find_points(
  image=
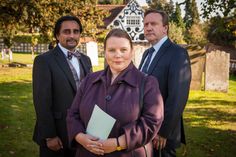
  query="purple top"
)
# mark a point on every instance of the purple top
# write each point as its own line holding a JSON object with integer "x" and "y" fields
{"x": 121, "y": 101}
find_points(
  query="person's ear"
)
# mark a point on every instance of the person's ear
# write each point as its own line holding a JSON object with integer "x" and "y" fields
{"x": 165, "y": 29}
{"x": 132, "y": 52}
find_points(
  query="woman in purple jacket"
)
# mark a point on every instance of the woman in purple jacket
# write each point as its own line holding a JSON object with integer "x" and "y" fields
{"x": 116, "y": 91}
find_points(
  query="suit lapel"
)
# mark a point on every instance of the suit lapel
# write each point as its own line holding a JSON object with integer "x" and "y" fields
{"x": 62, "y": 62}
{"x": 161, "y": 51}
{"x": 84, "y": 65}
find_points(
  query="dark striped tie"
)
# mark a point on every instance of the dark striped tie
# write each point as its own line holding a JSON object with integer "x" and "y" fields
{"x": 148, "y": 60}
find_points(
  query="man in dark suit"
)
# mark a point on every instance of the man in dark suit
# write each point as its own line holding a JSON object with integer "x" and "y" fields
{"x": 170, "y": 64}
{"x": 56, "y": 77}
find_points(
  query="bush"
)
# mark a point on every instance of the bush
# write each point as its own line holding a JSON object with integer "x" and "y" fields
{"x": 176, "y": 33}
{"x": 28, "y": 39}
{"x": 196, "y": 35}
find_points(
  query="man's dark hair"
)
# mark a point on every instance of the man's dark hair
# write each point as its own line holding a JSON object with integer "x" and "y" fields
{"x": 66, "y": 18}
{"x": 165, "y": 18}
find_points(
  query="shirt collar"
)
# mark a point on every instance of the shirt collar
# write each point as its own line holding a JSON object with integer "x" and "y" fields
{"x": 160, "y": 43}
{"x": 64, "y": 50}
{"x": 126, "y": 76}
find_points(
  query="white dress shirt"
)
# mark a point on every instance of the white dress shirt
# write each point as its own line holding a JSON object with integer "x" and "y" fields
{"x": 157, "y": 46}
{"x": 74, "y": 61}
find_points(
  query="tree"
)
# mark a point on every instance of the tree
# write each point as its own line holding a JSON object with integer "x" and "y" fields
{"x": 10, "y": 24}
{"x": 195, "y": 14}
{"x": 177, "y": 18}
{"x": 168, "y": 7}
{"x": 219, "y": 7}
{"x": 222, "y": 31}
{"x": 111, "y": 1}
{"x": 188, "y": 12}
{"x": 191, "y": 13}
{"x": 40, "y": 16}
{"x": 176, "y": 33}
{"x": 196, "y": 34}
{"x": 222, "y": 27}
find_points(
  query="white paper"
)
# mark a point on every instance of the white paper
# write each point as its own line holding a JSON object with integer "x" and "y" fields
{"x": 100, "y": 124}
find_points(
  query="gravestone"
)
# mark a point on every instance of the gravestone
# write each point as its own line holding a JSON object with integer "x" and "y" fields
{"x": 138, "y": 53}
{"x": 3, "y": 53}
{"x": 197, "y": 59}
{"x": 92, "y": 52}
{"x": 139, "y": 49}
{"x": 217, "y": 71}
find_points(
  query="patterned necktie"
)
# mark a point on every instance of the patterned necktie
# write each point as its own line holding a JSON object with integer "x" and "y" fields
{"x": 71, "y": 54}
{"x": 75, "y": 75}
{"x": 148, "y": 60}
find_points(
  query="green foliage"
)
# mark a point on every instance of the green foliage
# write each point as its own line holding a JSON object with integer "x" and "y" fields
{"x": 219, "y": 7}
{"x": 176, "y": 33}
{"x": 222, "y": 31}
{"x": 195, "y": 14}
{"x": 28, "y": 37}
{"x": 110, "y": 1}
{"x": 168, "y": 7}
{"x": 222, "y": 27}
{"x": 191, "y": 13}
{"x": 9, "y": 25}
{"x": 177, "y": 18}
{"x": 40, "y": 16}
{"x": 196, "y": 35}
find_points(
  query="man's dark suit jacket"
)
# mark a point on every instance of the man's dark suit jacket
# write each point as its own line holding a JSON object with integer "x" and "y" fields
{"x": 171, "y": 66}
{"x": 53, "y": 91}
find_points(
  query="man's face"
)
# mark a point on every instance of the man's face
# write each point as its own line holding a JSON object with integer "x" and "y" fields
{"x": 154, "y": 30}
{"x": 69, "y": 35}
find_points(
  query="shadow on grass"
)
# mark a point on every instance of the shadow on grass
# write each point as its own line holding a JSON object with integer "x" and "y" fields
{"x": 232, "y": 77}
{"x": 208, "y": 142}
{"x": 211, "y": 114}
{"x": 17, "y": 119}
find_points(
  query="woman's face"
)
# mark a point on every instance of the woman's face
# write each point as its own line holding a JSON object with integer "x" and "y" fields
{"x": 118, "y": 54}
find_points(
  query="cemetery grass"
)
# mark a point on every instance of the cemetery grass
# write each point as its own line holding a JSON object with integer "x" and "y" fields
{"x": 210, "y": 123}
{"x": 26, "y": 59}
{"x": 210, "y": 119}
{"x": 23, "y": 58}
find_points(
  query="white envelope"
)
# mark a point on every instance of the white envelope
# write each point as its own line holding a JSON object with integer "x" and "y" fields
{"x": 100, "y": 123}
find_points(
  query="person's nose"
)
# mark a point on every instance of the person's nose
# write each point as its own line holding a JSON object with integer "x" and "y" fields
{"x": 118, "y": 54}
{"x": 72, "y": 35}
{"x": 148, "y": 27}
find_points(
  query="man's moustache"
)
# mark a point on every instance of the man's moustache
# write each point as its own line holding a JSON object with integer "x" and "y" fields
{"x": 69, "y": 40}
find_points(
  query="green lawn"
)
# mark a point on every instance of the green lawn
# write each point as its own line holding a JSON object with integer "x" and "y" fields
{"x": 210, "y": 118}
{"x": 19, "y": 58}
{"x": 210, "y": 123}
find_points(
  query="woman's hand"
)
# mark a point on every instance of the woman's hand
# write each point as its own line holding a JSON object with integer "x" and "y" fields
{"x": 90, "y": 143}
{"x": 109, "y": 145}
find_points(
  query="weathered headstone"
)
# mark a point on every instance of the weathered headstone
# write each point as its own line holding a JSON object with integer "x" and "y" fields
{"x": 138, "y": 53}
{"x": 10, "y": 55}
{"x": 92, "y": 52}
{"x": 139, "y": 49}
{"x": 3, "y": 53}
{"x": 217, "y": 71}
{"x": 197, "y": 59}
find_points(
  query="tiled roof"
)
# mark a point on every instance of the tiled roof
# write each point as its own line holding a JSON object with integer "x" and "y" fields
{"x": 114, "y": 11}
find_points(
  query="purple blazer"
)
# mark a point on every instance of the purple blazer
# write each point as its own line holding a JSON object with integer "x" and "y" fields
{"x": 121, "y": 101}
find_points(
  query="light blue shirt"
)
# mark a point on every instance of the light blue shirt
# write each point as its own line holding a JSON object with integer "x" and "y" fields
{"x": 157, "y": 46}
{"x": 74, "y": 61}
